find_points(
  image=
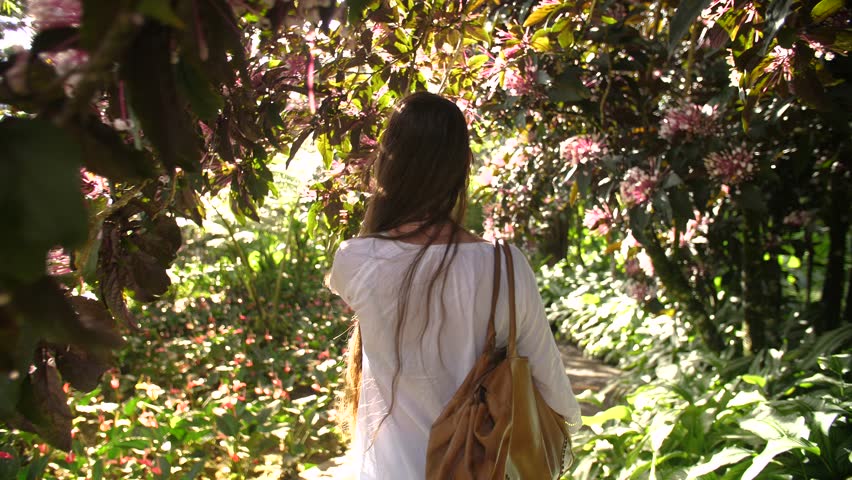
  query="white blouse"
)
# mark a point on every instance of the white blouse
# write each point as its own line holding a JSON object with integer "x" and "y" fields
{"x": 436, "y": 355}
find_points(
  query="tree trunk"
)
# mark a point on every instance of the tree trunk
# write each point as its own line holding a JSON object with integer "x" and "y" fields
{"x": 838, "y": 225}
{"x": 847, "y": 315}
{"x": 754, "y": 295}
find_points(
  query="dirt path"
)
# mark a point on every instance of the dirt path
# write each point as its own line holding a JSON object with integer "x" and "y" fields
{"x": 585, "y": 374}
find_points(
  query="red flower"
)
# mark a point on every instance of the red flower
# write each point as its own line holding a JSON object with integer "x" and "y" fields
{"x": 5, "y": 455}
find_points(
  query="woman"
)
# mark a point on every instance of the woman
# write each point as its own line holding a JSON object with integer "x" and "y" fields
{"x": 421, "y": 287}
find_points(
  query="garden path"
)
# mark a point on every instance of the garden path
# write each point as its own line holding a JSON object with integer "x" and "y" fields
{"x": 585, "y": 374}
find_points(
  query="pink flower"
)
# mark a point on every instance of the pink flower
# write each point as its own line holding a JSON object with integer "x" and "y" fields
{"x": 67, "y": 61}
{"x": 637, "y": 186}
{"x": 485, "y": 177}
{"x": 598, "y": 220}
{"x": 47, "y": 14}
{"x": 5, "y": 455}
{"x": 688, "y": 120}
{"x": 93, "y": 185}
{"x": 799, "y": 218}
{"x": 639, "y": 290}
{"x": 58, "y": 262}
{"x": 781, "y": 63}
{"x": 148, "y": 419}
{"x": 731, "y": 167}
{"x": 645, "y": 263}
{"x": 492, "y": 232}
{"x": 582, "y": 148}
{"x": 632, "y": 268}
{"x": 516, "y": 83}
{"x": 695, "y": 229}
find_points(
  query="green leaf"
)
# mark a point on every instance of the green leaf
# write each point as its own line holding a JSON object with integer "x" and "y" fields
{"x": 98, "y": 470}
{"x": 297, "y": 144}
{"x": 98, "y": 17}
{"x": 476, "y": 61}
{"x": 682, "y": 208}
{"x": 45, "y": 406}
{"x": 619, "y": 412}
{"x": 683, "y": 19}
{"x": 755, "y": 380}
{"x": 565, "y": 38}
{"x": 40, "y": 193}
{"x": 727, "y": 456}
{"x": 773, "y": 448}
{"x": 776, "y": 15}
{"x": 540, "y": 41}
{"x": 194, "y": 471}
{"x": 160, "y": 10}
{"x": 540, "y": 13}
{"x": 228, "y": 425}
{"x": 108, "y": 155}
{"x": 568, "y": 87}
{"x": 751, "y": 198}
{"x": 746, "y": 398}
{"x": 355, "y": 10}
{"x": 205, "y": 100}
{"x": 149, "y": 76}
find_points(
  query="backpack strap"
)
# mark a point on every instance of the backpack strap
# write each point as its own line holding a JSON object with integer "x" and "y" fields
{"x": 513, "y": 328}
{"x": 490, "y": 336}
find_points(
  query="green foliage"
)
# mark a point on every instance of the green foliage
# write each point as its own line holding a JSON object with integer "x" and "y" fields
{"x": 687, "y": 412}
{"x": 217, "y": 384}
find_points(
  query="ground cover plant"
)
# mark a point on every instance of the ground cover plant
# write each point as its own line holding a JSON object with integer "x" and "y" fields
{"x": 217, "y": 385}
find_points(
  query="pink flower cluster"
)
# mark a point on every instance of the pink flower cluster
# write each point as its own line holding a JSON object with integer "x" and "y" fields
{"x": 598, "y": 220}
{"x": 516, "y": 83}
{"x": 58, "y": 262}
{"x": 799, "y": 218}
{"x": 47, "y": 14}
{"x": 582, "y": 149}
{"x": 639, "y": 290}
{"x": 492, "y": 231}
{"x": 781, "y": 63}
{"x": 731, "y": 167}
{"x": 92, "y": 185}
{"x": 637, "y": 186}
{"x": 688, "y": 121}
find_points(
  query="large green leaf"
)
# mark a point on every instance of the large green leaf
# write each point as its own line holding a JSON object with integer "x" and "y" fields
{"x": 42, "y": 205}
{"x": 568, "y": 87}
{"x": 150, "y": 80}
{"x": 618, "y": 412}
{"x": 727, "y": 456}
{"x": 540, "y": 13}
{"x": 683, "y": 19}
{"x": 206, "y": 102}
{"x": 825, "y": 9}
{"x": 776, "y": 15}
{"x": 773, "y": 448}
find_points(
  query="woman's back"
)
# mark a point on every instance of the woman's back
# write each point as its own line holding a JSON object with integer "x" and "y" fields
{"x": 442, "y": 336}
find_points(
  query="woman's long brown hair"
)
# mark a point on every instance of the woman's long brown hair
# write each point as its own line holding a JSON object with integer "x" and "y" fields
{"x": 421, "y": 174}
